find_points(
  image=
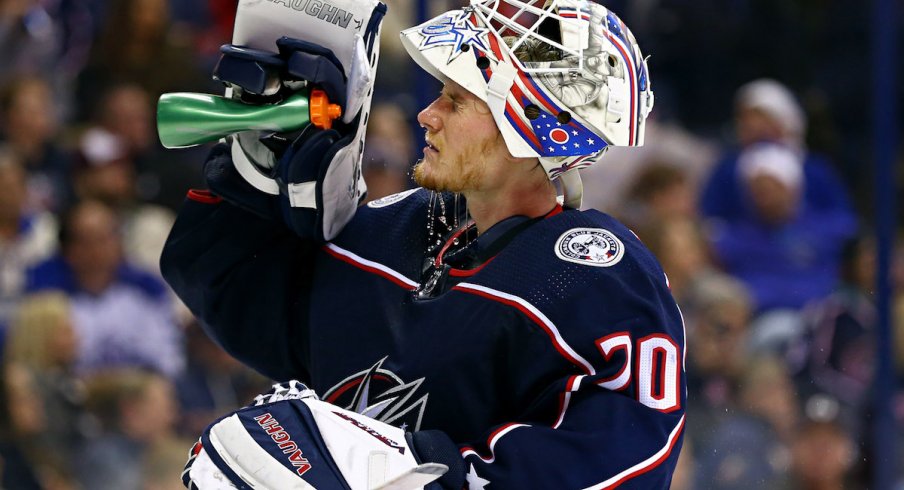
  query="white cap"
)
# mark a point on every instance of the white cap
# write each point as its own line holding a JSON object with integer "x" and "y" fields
{"x": 774, "y": 160}
{"x": 776, "y": 101}
{"x": 100, "y": 147}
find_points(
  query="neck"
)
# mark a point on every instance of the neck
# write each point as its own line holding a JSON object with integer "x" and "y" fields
{"x": 490, "y": 207}
{"x": 95, "y": 282}
{"x": 9, "y": 227}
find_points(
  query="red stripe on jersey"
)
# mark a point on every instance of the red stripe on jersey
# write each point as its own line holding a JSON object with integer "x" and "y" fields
{"x": 555, "y": 342}
{"x": 491, "y": 442}
{"x": 648, "y": 466}
{"x": 469, "y": 272}
{"x": 369, "y": 268}
{"x": 564, "y": 399}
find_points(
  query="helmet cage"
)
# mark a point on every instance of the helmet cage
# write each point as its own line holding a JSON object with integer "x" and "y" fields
{"x": 489, "y": 13}
{"x": 563, "y": 82}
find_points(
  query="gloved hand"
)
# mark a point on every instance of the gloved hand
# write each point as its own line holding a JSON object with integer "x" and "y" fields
{"x": 314, "y": 177}
{"x": 290, "y": 439}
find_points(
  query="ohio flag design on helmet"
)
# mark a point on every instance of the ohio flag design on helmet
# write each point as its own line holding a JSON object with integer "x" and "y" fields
{"x": 564, "y": 79}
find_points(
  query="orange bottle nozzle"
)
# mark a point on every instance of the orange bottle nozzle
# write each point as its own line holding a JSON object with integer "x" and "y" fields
{"x": 322, "y": 113}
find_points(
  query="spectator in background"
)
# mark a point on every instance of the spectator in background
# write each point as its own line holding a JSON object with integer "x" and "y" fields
{"x": 608, "y": 184}
{"x": 104, "y": 171}
{"x": 26, "y": 238}
{"x": 162, "y": 465}
{"x": 137, "y": 411}
{"x": 749, "y": 448}
{"x": 681, "y": 248}
{"x": 836, "y": 356}
{"x": 47, "y": 405}
{"x": 28, "y": 125}
{"x": 717, "y": 313}
{"x": 659, "y": 208}
{"x": 123, "y": 316}
{"x": 29, "y": 39}
{"x": 786, "y": 251}
{"x": 137, "y": 45}
{"x": 45, "y": 39}
{"x": 161, "y": 176}
{"x": 822, "y": 457}
{"x": 660, "y": 192}
{"x": 213, "y": 383}
{"x": 17, "y": 470}
{"x": 684, "y": 477}
{"x": 766, "y": 111}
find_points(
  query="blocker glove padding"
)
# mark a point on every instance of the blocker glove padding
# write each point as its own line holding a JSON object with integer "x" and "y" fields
{"x": 314, "y": 177}
{"x": 288, "y": 439}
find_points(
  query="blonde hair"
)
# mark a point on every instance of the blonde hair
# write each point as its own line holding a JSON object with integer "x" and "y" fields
{"x": 38, "y": 319}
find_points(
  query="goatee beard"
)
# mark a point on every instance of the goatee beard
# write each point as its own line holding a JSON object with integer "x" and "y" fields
{"x": 428, "y": 181}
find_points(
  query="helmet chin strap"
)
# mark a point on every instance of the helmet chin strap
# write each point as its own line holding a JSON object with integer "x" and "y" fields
{"x": 572, "y": 189}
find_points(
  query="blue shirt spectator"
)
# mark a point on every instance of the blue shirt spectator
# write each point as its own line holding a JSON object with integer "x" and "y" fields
{"x": 723, "y": 195}
{"x": 766, "y": 111}
{"x": 123, "y": 316}
{"x": 787, "y": 252}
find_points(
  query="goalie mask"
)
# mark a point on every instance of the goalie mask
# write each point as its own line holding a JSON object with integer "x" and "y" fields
{"x": 564, "y": 80}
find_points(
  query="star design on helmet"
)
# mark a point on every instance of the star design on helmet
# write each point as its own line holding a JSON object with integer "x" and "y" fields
{"x": 455, "y": 32}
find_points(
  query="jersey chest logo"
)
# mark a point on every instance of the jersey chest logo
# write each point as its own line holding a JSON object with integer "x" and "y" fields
{"x": 382, "y": 395}
{"x": 590, "y": 246}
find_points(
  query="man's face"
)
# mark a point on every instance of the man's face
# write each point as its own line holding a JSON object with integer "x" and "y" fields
{"x": 95, "y": 243}
{"x": 774, "y": 202}
{"x": 112, "y": 183}
{"x": 754, "y": 125}
{"x": 462, "y": 143}
{"x": 15, "y": 192}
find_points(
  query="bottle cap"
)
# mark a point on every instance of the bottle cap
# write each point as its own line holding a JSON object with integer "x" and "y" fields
{"x": 322, "y": 113}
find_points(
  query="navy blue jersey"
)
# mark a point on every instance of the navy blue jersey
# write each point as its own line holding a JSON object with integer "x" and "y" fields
{"x": 555, "y": 362}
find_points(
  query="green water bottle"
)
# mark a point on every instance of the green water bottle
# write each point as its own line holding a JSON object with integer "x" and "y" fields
{"x": 187, "y": 119}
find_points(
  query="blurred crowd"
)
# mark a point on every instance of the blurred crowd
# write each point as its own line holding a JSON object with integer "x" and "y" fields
{"x": 742, "y": 193}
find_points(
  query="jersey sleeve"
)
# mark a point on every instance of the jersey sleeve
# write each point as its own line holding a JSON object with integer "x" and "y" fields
{"x": 602, "y": 439}
{"x": 246, "y": 278}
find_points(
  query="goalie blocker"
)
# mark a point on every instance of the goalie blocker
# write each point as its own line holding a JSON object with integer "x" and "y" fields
{"x": 311, "y": 182}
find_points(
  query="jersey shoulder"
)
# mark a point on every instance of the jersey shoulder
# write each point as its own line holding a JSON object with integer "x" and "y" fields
{"x": 391, "y": 231}
{"x": 582, "y": 247}
{"x": 587, "y": 271}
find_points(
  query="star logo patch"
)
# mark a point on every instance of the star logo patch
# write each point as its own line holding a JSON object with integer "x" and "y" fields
{"x": 456, "y": 32}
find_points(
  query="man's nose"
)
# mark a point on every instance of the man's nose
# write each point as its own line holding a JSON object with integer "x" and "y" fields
{"x": 429, "y": 118}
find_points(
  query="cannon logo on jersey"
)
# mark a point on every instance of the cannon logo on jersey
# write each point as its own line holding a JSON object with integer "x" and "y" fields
{"x": 380, "y": 394}
{"x": 590, "y": 246}
{"x": 392, "y": 199}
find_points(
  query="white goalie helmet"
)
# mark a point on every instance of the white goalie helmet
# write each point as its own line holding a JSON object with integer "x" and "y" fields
{"x": 564, "y": 79}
